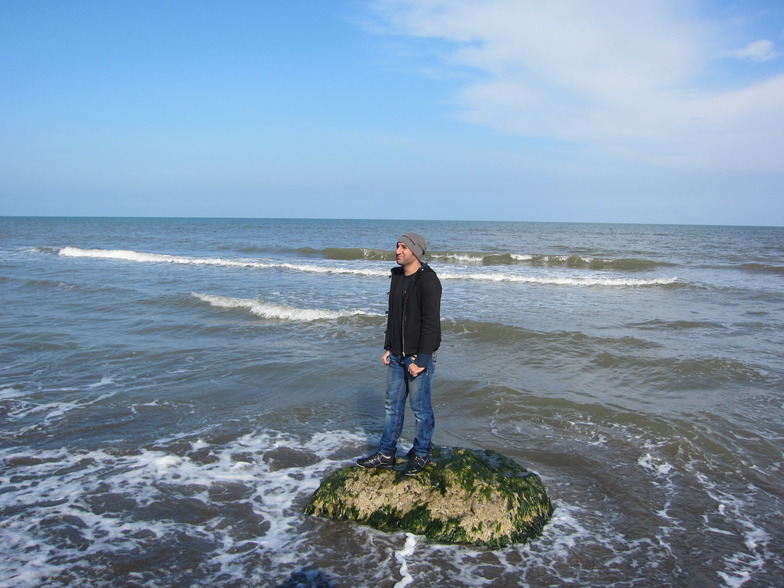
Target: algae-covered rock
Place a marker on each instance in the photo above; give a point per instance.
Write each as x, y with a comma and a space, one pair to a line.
476, 497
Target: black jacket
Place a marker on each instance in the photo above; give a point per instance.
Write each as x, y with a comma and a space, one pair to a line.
421, 314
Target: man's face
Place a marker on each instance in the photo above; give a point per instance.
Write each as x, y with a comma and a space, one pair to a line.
403, 255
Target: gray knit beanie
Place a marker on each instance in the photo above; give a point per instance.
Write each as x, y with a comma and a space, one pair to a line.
416, 243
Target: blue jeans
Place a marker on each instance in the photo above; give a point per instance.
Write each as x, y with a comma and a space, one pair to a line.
400, 385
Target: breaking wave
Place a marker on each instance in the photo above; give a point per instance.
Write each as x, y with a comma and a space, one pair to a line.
483, 258
487, 275
272, 311
544, 260
140, 256
555, 280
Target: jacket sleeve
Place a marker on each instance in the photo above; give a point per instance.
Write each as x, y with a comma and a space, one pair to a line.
430, 326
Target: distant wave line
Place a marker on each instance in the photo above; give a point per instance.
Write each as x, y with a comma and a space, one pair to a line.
139, 256
577, 261
560, 281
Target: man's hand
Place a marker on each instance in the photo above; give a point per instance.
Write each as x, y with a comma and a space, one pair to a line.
414, 369
385, 357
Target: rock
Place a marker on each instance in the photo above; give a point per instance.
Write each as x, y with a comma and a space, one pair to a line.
475, 497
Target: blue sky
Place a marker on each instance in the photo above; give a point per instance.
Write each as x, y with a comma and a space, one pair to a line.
664, 111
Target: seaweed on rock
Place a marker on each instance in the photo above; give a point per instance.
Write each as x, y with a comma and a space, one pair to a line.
476, 497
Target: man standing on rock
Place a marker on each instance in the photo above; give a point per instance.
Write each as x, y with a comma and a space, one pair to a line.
412, 339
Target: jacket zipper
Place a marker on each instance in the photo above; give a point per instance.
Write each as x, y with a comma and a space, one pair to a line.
403, 322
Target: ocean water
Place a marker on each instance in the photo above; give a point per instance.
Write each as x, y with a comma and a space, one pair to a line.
173, 390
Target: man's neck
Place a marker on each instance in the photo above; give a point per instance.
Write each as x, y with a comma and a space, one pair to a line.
412, 268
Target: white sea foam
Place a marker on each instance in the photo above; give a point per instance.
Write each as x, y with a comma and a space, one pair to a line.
472, 258
20, 406
8, 393
658, 467
408, 549
555, 280
268, 310
64, 486
143, 257
73, 490
130, 255
105, 381
489, 276
57, 485
744, 564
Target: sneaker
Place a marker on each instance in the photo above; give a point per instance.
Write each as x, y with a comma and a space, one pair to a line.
377, 460
416, 464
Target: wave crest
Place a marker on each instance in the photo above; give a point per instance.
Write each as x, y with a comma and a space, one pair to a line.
489, 276
140, 256
547, 260
562, 281
273, 311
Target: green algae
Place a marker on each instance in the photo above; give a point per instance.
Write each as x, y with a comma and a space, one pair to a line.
476, 497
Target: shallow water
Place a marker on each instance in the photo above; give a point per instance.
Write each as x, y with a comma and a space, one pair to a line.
172, 391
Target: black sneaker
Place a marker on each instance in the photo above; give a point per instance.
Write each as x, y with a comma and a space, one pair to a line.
416, 464
377, 460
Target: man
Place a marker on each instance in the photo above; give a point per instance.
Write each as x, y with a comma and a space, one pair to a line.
412, 337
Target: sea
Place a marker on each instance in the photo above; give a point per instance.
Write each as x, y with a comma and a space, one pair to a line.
173, 390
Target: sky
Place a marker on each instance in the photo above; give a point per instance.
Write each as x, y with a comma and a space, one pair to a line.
663, 111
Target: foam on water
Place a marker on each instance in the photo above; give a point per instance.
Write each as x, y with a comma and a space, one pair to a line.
556, 280
63, 507
274, 311
401, 556
668, 490
32, 414
489, 276
741, 566
142, 257
71, 517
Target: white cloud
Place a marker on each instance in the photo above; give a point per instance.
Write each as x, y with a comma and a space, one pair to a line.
761, 50
617, 75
